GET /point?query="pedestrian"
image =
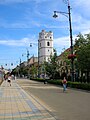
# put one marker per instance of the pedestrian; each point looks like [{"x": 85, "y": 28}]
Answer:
[
  {"x": 5, "y": 77},
  {"x": 64, "y": 82},
  {"x": 45, "y": 81},
  {"x": 9, "y": 79},
  {"x": 15, "y": 77}
]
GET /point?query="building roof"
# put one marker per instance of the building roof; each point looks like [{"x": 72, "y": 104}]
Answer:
[{"x": 67, "y": 50}]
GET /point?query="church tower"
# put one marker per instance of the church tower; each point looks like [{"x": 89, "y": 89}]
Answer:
[{"x": 45, "y": 46}]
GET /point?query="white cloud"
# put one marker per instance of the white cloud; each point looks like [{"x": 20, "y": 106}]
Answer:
[
  {"x": 23, "y": 42},
  {"x": 20, "y": 1},
  {"x": 81, "y": 7},
  {"x": 83, "y": 3},
  {"x": 80, "y": 23},
  {"x": 63, "y": 43},
  {"x": 60, "y": 43},
  {"x": 39, "y": 1},
  {"x": 13, "y": 1},
  {"x": 20, "y": 24},
  {"x": 87, "y": 31}
]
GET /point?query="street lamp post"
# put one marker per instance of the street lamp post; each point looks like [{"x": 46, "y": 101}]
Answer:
[
  {"x": 68, "y": 15},
  {"x": 28, "y": 60},
  {"x": 38, "y": 62},
  {"x": 20, "y": 68},
  {"x": 38, "y": 57},
  {"x": 27, "y": 56}
]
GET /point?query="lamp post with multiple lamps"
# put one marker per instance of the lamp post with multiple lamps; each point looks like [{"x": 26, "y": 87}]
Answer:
[
  {"x": 27, "y": 54},
  {"x": 38, "y": 56},
  {"x": 71, "y": 56},
  {"x": 20, "y": 68}
]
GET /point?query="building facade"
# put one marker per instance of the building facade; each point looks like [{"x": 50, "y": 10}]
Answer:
[
  {"x": 33, "y": 60},
  {"x": 45, "y": 46}
]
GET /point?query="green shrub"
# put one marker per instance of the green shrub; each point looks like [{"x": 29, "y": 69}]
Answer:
[
  {"x": 56, "y": 82},
  {"x": 38, "y": 79},
  {"x": 78, "y": 85},
  {"x": 84, "y": 86}
]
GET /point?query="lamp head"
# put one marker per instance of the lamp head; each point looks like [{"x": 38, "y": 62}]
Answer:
[{"x": 55, "y": 15}]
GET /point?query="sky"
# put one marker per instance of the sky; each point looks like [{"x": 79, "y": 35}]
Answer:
[{"x": 21, "y": 21}]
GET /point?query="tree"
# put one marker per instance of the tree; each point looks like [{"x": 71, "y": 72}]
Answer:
[
  {"x": 15, "y": 71},
  {"x": 52, "y": 66},
  {"x": 33, "y": 71},
  {"x": 82, "y": 47}
]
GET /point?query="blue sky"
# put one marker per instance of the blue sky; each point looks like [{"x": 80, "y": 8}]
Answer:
[{"x": 22, "y": 20}]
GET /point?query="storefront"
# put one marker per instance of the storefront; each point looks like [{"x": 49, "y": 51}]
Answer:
[{"x": 1, "y": 76}]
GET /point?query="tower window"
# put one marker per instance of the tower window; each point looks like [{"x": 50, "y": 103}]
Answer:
[
  {"x": 50, "y": 37},
  {"x": 48, "y": 43},
  {"x": 40, "y": 44}
]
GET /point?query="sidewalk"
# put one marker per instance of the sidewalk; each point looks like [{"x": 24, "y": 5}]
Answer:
[{"x": 16, "y": 104}]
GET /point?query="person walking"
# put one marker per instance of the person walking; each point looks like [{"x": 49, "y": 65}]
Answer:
[
  {"x": 64, "y": 82},
  {"x": 9, "y": 79}
]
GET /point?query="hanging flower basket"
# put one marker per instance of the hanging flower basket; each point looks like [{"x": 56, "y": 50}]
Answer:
[{"x": 71, "y": 56}]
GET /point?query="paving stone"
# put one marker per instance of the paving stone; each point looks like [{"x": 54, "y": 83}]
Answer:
[{"x": 16, "y": 104}]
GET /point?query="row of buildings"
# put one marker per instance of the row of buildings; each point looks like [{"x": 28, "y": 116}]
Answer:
[{"x": 45, "y": 49}]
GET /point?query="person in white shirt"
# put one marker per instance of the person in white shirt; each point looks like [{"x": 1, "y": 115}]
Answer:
[{"x": 9, "y": 79}]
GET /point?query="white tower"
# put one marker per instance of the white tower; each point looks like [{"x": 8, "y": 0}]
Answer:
[{"x": 45, "y": 46}]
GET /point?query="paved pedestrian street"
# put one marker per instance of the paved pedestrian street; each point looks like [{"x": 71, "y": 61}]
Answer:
[{"x": 16, "y": 104}]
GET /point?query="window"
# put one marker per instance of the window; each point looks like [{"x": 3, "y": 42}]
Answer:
[
  {"x": 40, "y": 44},
  {"x": 48, "y": 43},
  {"x": 50, "y": 37}
]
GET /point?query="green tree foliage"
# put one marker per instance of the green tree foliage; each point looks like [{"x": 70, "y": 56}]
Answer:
[
  {"x": 80, "y": 41},
  {"x": 83, "y": 57},
  {"x": 33, "y": 71},
  {"x": 65, "y": 57},
  {"x": 24, "y": 71},
  {"x": 82, "y": 47},
  {"x": 15, "y": 71},
  {"x": 52, "y": 66}
]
